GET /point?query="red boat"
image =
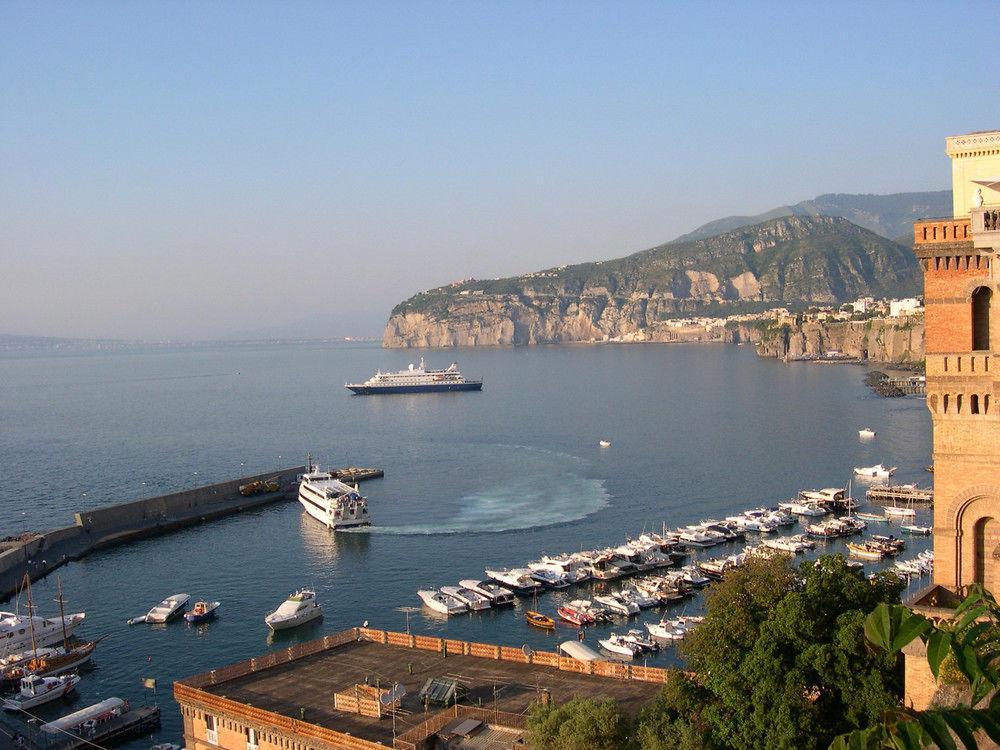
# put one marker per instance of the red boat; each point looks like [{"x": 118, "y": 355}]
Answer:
[{"x": 574, "y": 616}]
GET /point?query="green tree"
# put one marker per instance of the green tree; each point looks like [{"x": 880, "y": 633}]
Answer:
[
  {"x": 782, "y": 659},
  {"x": 673, "y": 721},
  {"x": 968, "y": 647},
  {"x": 580, "y": 724}
]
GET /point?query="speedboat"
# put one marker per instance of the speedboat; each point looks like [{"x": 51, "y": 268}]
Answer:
[
  {"x": 696, "y": 537},
  {"x": 604, "y": 443},
  {"x": 550, "y": 579},
  {"x": 667, "y": 630},
  {"x": 498, "y": 595},
  {"x": 640, "y": 599},
  {"x": 589, "y": 608},
  {"x": 298, "y": 609},
  {"x": 441, "y": 602},
  {"x": 575, "y": 616},
  {"x": 165, "y": 611},
  {"x": 919, "y": 530},
  {"x": 866, "y": 433},
  {"x": 202, "y": 611},
  {"x": 616, "y": 644},
  {"x": 37, "y": 690},
  {"x": 878, "y": 471},
  {"x": 618, "y": 606},
  {"x": 469, "y": 597},
  {"x": 645, "y": 643},
  {"x": 518, "y": 580},
  {"x": 694, "y": 577}
]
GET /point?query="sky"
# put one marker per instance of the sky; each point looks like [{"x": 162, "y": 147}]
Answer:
[{"x": 190, "y": 170}]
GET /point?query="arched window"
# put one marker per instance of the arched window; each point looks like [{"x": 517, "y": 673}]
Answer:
[
  {"x": 974, "y": 403},
  {"x": 981, "y": 318}
]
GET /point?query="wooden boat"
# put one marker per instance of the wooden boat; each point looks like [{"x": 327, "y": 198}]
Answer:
[
  {"x": 864, "y": 551},
  {"x": 539, "y": 620},
  {"x": 51, "y": 662},
  {"x": 202, "y": 611}
]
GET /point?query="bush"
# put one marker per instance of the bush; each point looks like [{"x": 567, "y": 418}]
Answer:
[{"x": 580, "y": 724}]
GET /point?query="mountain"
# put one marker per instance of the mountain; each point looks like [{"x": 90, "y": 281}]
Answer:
[
  {"x": 891, "y": 216},
  {"x": 795, "y": 260}
]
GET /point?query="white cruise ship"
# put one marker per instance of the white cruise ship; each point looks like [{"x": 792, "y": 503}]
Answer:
[
  {"x": 416, "y": 380},
  {"x": 330, "y": 501}
]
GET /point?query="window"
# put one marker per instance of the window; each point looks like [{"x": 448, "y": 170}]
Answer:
[
  {"x": 981, "y": 318},
  {"x": 211, "y": 730},
  {"x": 974, "y": 404},
  {"x": 251, "y": 738}
]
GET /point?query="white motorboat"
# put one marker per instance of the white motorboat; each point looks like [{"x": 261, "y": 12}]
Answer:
[
  {"x": 893, "y": 511},
  {"x": 589, "y": 608},
  {"x": 878, "y": 471},
  {"x": 919, "y": 530},
  {"x": 604, "y": 443},
  {"x": 695, "y": 537},
  {"x": 469, "y": 597},
  {"x": 694, "y": 577},
  {"x": 618, "y": 645},
  {"x": 785, "y": 544},
  {"x": 518, "y": 580},
  {"x": 15, "y": 630},
  {"x": 550, "y": 579},
  {"x": 330, "y": 501},
  {"x": 644, "y": 642},
  {"x": 666, "y": 630},
  {"x": 618, "y": 606},
  {"x": 298, "y": 609},
  {"x": 637, "y": 597},
  {"x": 168, "y": 609},
  {"x": 37, "y": 690},
  {"x": 441, "y": 602},
  {"x": 866, "y": 433},
  {"x": 498, "y": 595},
  {"x": 806, "y": 509},
  {"x": 573, "y": 568}
]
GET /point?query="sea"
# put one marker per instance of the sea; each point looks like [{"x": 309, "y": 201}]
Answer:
[{"x": 472, "y": 480}]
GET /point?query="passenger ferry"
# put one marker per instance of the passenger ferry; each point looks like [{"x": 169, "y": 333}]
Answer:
[
  {"x": 330, "y": 501},
  {"x": 416, "y": 380}
]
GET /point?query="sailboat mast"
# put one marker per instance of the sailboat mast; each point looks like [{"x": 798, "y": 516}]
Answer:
[
  {"x": 31, "y": 615},
  {"x": 62, "y": 614}
]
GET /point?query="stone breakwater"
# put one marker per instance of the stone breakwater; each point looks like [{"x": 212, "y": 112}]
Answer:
[{"x": 102, "y": 527}]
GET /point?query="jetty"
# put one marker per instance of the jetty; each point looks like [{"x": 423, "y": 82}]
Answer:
[
  {"x": 908, "y": 494},
  {"x": 38, "y": 554},
  {"x": 140, "y": 721}
]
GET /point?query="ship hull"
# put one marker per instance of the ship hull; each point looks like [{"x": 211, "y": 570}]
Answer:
[
  {"x": 375, "y": 390},
  {"x": 321, "y": 515}
]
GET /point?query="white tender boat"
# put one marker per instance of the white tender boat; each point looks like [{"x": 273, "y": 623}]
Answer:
[
  {"x": 439, "y": 602},
  {"x": 892, "y": 511},
  {"x": 37, "y": 690},
  {"x": 15, "y": 630},
  {"x": 498, "y": 595},
  {"x": 298, "y": 609},
  {"x": 165, "y": 611},
  {"x": 866, "y": 433},
  {"x": 617, "y": 606},
  {"x": 469, "y": 597},
  {"x": 878, "y": 471},
  {"x": 618, "y": 645},
  {"x": 331, "y": 502}
]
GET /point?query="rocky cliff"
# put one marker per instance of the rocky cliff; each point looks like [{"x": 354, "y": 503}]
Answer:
[
  {"x": 790, "y": 260},
  {"x": 898, "y": 340}
]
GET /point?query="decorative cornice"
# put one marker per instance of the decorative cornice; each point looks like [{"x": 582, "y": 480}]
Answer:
[{"x": 963, "y": 145}]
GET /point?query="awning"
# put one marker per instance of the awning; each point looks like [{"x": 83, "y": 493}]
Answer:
[{"x": 993, "y": 183}]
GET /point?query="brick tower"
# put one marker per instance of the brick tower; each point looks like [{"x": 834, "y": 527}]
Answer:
[{"x": 962, "y": 318}]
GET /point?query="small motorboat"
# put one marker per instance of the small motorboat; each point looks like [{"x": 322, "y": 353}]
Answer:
[
  {"x": 37, "y": 690},
  {"x": 442, "y": 602},
  {"x": 539, "y": 620},
  {"x": 575, "y": 616},
  {"x": 866, "y": 433},
  {"x": 892, "y": 511},
  {"x": 202, "y": 611},
  {"x": 870, "y": 517},
  {"x": 165, "y": 611},
  {"x": 469, "y": 597},
  {"x": 617, "y": 606},
  {"x": 299, "y": 608},
  {"x": 644, "y": 642},
  {"x": 616, "y": 644},
  {"x": 497, "y": 594},
  {"x": 919, "y": 530},
  {"x": 865, "y": 551},
  {"x": 604, "y": 443},
  {"x": 878, "y": 471}
]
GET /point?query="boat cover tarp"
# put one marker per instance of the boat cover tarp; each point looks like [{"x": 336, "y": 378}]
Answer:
[{"x": 579, "y": 651}]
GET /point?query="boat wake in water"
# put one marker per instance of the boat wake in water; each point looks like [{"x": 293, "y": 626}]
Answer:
[{"x": 517, "y": 487}]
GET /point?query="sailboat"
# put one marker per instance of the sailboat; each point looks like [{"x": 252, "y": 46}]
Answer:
[{"x": 43, "y": 662}]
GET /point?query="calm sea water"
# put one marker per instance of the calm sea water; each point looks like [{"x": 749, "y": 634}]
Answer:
[{"x": 472, "y": 479}]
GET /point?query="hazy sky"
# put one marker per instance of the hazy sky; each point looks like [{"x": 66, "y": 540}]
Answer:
[{"x": 201, "y": 170}]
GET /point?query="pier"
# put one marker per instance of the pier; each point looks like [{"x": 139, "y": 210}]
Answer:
[
  {"x": 38, "y": 554},
  {"x": 888, "y": 494},
  {"x": 911, "y": 386},
  {"x": 138, "y": 722}
]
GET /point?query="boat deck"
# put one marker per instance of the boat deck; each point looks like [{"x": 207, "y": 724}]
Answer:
[{"x": 303, "y": 688}]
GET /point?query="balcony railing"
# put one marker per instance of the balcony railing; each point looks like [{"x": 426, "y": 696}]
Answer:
[
  {"x": 986, "y": 226},
  {"x": 940, "y": 231}
]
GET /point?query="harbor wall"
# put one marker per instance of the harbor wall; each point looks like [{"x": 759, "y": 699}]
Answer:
[{"x": 102, "y": 527}]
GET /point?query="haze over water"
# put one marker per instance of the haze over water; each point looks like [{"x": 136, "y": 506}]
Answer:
[{"x": 472, "y": 479}]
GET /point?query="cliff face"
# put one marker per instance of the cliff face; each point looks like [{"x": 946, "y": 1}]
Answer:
[
  {"x": 786, "y": 260},
  {"x": 899, "y": 340}
]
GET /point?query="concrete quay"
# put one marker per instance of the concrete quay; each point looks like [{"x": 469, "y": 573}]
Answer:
[{"x": 40, "y": 554}]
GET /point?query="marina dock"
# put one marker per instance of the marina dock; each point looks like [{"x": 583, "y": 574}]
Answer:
[
  {"x": 906, "y": 494},
  {"x": 139, "y": 722},
  {"x": 38, "y": 554}
]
